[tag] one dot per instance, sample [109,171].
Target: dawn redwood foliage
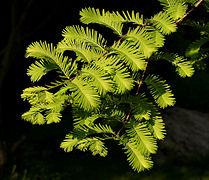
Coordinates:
[103,83]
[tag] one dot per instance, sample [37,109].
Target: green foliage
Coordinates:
[175,8]
[160,91]
[102,84]
[142,137]
[45,106]
[163,22]
[84,95]
[134,18]
[129,54]
[91,15]
[205,4]
[95,145]
[138,161]
[142,40]
[89,36]
[184,67]
[197,50]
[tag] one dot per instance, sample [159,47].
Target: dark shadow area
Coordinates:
[30,152]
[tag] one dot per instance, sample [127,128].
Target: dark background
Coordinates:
[32,152]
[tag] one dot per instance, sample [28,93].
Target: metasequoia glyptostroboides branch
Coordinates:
[143,74]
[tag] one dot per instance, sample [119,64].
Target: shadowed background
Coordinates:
[32,152]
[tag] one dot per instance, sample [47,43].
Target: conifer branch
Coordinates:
[100,92]
[189,12]
[151,23]
[143,74]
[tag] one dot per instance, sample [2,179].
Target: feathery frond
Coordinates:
[37,70]
[133,17]
[81,34]
[99,128]
[142,40]
[92,15]
[184,67]
[128,17]
[80,122]
[84,52]
[53,117]
[164,23]
[84,95]
[138,161]
[34,116]
[160,91]
[175,8]
[195,47]
[31,92]
[69,143]
[43,50]
[157,127]
[95,145]
[142,113]
[166,3]
[98,78]
[45,108]
[129,54]
[143,138]
[158,37]
[141,107]
[123,80]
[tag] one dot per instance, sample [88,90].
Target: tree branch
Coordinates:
[143,74]
[142,78]
[189,12]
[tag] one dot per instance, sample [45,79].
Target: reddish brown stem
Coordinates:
[142,78]
[105,52]
[127,119]
[189,12]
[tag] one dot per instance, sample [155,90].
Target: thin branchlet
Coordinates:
[189,12]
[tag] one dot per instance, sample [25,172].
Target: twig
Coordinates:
[105,52]
[127,119]
[129,114]
[142,78]
[189,12]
